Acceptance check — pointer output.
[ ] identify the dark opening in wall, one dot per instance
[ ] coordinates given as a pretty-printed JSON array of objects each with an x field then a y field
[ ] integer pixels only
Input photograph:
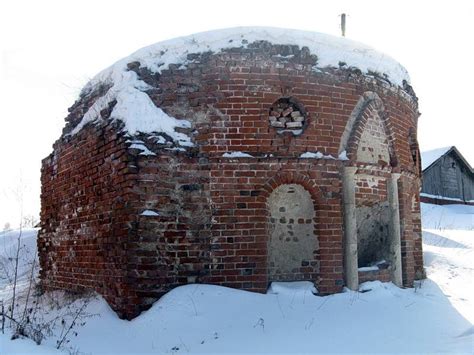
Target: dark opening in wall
[
  {"x": 414, "y": 149},
  {"x": 287, "y": 115},
  {"x": 372, "y": 234}
]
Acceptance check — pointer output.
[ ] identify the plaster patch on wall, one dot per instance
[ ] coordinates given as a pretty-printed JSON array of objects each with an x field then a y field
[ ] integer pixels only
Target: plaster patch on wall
[
  {"x": 373, "y": 144},
  {"x": 292, "y": 242}
]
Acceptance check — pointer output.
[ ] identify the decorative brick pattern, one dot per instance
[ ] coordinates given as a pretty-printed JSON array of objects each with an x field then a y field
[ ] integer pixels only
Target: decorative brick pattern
[{"x": 287, "y": 116}]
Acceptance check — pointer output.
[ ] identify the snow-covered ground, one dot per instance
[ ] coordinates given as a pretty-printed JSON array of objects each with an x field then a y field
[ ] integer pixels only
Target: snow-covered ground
[
  {"x": 448, "y": 243},
  {"x": 434, "y": 317},
  {"x": 27, "y": 253}
]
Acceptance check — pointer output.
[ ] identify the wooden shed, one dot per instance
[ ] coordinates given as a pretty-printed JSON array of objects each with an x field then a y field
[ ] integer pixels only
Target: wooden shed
[{"x": 447, "y": 177}]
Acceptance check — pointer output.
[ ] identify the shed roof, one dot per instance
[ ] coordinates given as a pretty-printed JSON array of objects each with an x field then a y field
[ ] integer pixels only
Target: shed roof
[{"x": 429, "y": 157}]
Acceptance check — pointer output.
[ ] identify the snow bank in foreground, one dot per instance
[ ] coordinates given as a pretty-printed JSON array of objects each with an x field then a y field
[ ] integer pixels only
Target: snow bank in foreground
[
  {"x": 213, "y": 319},
  {"x": 434, "y": 317},
  {"x": 448, "y": 244},
  {"x": 291, "y": 288},
  {"x": 24, "y": 346},
  {"x": 139, "y": 114}
]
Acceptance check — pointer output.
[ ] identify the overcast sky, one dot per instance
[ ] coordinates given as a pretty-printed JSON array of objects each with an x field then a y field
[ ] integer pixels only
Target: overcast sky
[{"x": 49, "y": 49}]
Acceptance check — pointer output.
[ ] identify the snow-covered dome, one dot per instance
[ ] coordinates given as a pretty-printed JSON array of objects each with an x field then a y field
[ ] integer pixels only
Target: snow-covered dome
[
  {"x": 227, "y": 157},
  {"x": 139, "y": 114}
]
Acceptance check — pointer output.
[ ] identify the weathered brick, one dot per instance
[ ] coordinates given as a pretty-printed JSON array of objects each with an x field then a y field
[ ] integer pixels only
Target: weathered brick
[{"x": 213, "y": 222}]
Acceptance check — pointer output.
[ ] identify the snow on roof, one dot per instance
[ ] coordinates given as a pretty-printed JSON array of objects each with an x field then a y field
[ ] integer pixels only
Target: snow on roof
[
  {"x": 430, "y": 156},
  {"x": 139, "y": 113}
]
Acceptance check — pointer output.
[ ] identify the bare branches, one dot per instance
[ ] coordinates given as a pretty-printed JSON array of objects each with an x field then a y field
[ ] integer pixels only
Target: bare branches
[
  {"x": 15, "y": 278},
  {"x": 71, "y": 326}
]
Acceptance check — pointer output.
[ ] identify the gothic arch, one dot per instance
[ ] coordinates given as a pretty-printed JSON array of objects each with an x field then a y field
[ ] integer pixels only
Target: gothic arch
[{"x": 369, "y": 109}]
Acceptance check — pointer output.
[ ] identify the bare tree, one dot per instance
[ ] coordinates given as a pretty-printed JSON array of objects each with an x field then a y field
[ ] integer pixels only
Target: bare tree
[
  {"x": 19, "y": 196},
  {"x": 30, "y": 312}
]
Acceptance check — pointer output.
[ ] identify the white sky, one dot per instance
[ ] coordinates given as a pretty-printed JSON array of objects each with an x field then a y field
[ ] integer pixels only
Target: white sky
[{"x": 49, "y": 49}]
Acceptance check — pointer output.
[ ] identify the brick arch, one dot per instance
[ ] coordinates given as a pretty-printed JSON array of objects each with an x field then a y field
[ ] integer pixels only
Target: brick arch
[
  {"x": 292, "y": 178},
  {"x": 325, "y": 280},
  {"x": 369, "y": 102}
]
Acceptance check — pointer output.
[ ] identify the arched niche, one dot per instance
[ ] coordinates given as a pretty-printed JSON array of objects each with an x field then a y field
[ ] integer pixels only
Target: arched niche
[
  {"x": 292, "y": 243},
  {"x": 366, "y": 137},
  {"x": 288, "y": 115}
]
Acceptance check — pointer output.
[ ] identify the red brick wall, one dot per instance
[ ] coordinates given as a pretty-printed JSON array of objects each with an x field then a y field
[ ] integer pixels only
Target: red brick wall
[
  {"x": 85, "y": 215},
  {"x": 371, "y": 186},
  {"x": 212, "y": 223},
  {"x": 172, "y": 248},
  {"x": 375, "y": 275},
  {"x": 407, "y": 228},
  {"x": 240, "y": 189},
  {"x": 417, "y": 234}
]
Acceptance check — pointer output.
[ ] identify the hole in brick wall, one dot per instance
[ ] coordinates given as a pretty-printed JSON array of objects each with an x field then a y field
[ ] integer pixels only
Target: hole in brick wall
[
  {"x": 287, "y": 115},
  {"x": 414, "y": 150}
]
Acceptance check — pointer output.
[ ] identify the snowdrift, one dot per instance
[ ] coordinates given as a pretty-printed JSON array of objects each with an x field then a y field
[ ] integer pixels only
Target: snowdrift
[{"x": 436, "y": 316}]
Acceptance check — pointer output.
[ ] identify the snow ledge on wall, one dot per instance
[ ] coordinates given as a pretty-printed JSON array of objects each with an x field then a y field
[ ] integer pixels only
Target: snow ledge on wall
[
  {"x": 439, "y": 197},
  {"x": 317, "y": 155},
  {"x": 237, "y": 155},
  {"x": 149, "y": 213}
]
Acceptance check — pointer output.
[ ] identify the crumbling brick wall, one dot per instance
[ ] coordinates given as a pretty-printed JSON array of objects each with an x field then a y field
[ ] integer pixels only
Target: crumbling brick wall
[
  {"x": 211, "y": 221},
  {"x": 86, "y": 214},
  {"x": 172, "y": 247}
]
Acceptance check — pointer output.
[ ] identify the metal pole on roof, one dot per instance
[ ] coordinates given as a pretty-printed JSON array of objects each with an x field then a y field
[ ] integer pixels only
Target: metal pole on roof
[{"x": 343, "y": 24}]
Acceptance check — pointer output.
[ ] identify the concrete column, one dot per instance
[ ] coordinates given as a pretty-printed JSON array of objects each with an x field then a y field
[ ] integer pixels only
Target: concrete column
[
  {"x": 394, "y": 231},
  {"x": 350, "y": 229}
]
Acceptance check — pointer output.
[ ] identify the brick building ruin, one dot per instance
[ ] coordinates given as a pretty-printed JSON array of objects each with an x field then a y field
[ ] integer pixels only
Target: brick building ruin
[{"x": 237, "y": 158}]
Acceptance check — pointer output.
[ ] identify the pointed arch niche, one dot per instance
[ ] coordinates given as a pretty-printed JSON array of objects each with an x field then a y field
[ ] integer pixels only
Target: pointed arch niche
[
  {"x": 367, "y": 137},
  {"x": 370, "y": 192}
]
